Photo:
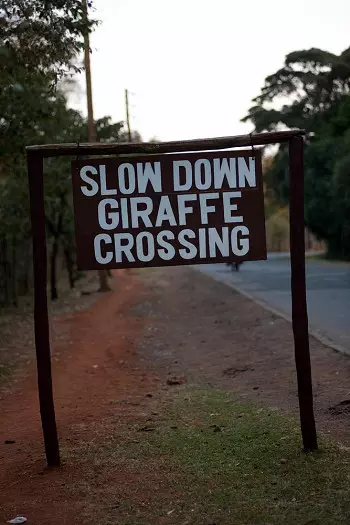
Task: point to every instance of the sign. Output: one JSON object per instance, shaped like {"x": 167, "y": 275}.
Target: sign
{"x": 165, "y": 176}
{"x": 165, "y": 210}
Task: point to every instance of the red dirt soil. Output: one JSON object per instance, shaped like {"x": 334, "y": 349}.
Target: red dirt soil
{"x": 105, "y": 365}
{"x": 91, "y": 368}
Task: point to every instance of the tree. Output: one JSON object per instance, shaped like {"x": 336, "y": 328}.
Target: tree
{"x": 312, "y": 92}
{"x": 48, "y": 119}
{"x": 309, "y": 84}
{"x": 39, "y": 44}
{"x": 69, "y": 126}
{"x": 39, "y": 40}
{"x": 44, "y": 36}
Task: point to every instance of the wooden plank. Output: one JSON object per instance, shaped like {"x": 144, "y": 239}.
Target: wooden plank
{"x": 41, "y": 320}
{"x": 74, "y": 149}
{"x": 175, "y": 208}
{"x": 298, "y": 284}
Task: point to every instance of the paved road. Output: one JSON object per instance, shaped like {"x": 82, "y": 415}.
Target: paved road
{"x": 328, "y": 291}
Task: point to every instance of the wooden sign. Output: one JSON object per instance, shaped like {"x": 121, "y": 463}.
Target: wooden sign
{"x": 169, "y": 210}
{"x": 238, "y": 172}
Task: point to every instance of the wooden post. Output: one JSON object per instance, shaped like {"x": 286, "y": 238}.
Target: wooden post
{"x": 114, "y": 148}
{"x": 41, "y": 319}
{"x": 102, "y": 274}
{"x": 87, "y": 65}
{"x": 127, "y": 114}
{"x": 298, "y": 283}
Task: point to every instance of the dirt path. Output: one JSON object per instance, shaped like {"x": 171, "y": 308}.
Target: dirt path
{"x": 205, "y": 330}
{"x": 112, "y": 364}
{"x": 93, "y": 366}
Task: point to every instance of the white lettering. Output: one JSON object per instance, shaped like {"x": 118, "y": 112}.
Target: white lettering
{"x": 146, "y": 174}
{"x": 165, "y": 212}
{"x": 126, "y": 177}
{"x": 202, "y": 184}
{"x": 103, "y": 215}
{"x": 124, "y": 212}
{"x": 122, "y": 247}
{"x": 183, "y": 209}
{"x": 143, "y": 214}
{"x": 103, "y": 182}
{"x": 205, "y": 209}
{"x": 224, "y": 170}
{"x": 202, "y": 243}
{"x": 145, "y": 255}
{"x": 92, "y": 183}
{"x": 246, "y": 173}
{"x": 191, "y": 250}
{"x": 180, "y": 185}
{"x": 218, "y": 243}
{"x": 102, "y": 259}
{"x": 168, "y": 252}
{"x": 229, "y": 207}
{"x": 240, "y": 240}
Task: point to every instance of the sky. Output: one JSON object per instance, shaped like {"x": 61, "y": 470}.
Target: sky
{"x": 193, "y": 66}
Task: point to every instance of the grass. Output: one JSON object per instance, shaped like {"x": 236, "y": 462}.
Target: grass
{"x": 326, "y": 258}
{"x": 208, "y": 460}
{"x": 318, "y": 257}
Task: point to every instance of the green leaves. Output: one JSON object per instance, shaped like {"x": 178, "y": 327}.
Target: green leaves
{"x": 44, "y": 36}
{"x": 311, "y": 92}
{"x": 39, "y": 42}
{"x": 309, "y": 83}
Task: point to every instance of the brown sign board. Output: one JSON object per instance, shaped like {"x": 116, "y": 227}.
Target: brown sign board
{"x": 170, "y": 209}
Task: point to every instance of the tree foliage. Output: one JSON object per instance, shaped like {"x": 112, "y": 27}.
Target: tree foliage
{"x": 312, "y": 92}
{"x": 43, "y": 36}
{"x": 39, "y": 42}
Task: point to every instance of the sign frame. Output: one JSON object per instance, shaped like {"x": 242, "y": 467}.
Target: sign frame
{"x": 35, "y": 165}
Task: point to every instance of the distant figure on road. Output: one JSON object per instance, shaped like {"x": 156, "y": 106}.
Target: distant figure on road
{"x": 235, "y": 265}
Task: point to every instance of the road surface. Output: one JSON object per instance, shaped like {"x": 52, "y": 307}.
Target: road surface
{"x": 328, "y": 291}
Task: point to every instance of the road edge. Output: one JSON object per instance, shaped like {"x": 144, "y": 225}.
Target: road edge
{"x": 313, "y": 333}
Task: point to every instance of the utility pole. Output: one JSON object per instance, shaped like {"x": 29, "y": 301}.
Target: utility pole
{"x": 87, "y": 64}
{"x": 103, "y": 276}
{"x": 127, "y": 114}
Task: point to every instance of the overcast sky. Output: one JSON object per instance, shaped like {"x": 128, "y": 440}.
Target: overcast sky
{"x": 193, "y": 66}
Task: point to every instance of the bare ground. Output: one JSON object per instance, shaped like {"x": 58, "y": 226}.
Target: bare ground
{"x": 113, "y": 360}
{"x": 214, "y": 336}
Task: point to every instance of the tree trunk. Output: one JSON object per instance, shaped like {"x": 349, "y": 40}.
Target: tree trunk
{"x": 104, "y": 286}
{"x": 25, "y": 271}
{"x": 69, "y": 267}
{"x": 53, "y": 267}
{"x": 14, "y": 272}
{"x": 3, "y": 287}
{"x": 56, "y": 233}
{"x": 6, "y": 274}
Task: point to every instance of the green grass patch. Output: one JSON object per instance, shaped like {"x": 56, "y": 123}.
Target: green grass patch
{"x": 209, "y": 460}
{"x": 316, "y": 257}
{"x": 327, "y": 258}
